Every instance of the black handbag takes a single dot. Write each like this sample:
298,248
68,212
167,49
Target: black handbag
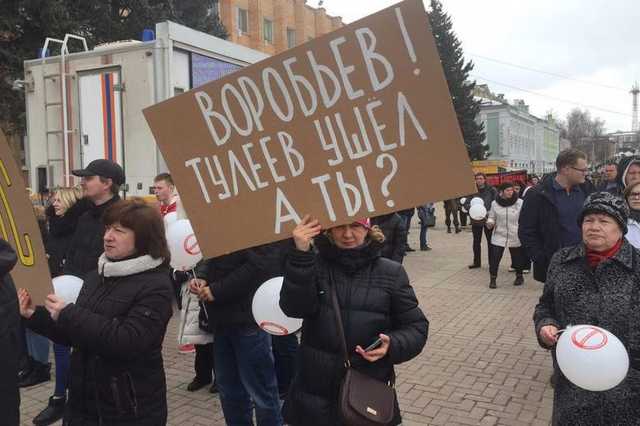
363,400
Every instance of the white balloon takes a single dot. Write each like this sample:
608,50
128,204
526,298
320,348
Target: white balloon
476,200
463,200
67,287
183,246
592,357
266,310
169,218
477,212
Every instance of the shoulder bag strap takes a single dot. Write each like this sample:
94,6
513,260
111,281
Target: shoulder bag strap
336,310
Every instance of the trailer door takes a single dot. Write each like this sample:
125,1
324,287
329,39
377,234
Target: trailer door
100,99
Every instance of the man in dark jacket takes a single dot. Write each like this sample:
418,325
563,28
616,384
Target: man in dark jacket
9,338
395,235
101,181
245,368
488,194
406,215
549,216
610,183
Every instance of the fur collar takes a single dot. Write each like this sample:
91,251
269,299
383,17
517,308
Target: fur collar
109,268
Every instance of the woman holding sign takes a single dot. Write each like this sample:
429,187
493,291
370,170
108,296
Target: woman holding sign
346,288
596,283
117,325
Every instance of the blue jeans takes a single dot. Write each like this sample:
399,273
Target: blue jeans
37,346
63,359
423,235
285,349
245,372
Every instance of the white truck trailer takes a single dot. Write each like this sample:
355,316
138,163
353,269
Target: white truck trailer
95,110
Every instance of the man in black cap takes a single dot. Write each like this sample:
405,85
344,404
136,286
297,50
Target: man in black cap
101,181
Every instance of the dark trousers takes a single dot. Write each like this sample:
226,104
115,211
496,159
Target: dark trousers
245,372
451,209
204,363
496,256
463,218
285,350
477,242
423,235
63,361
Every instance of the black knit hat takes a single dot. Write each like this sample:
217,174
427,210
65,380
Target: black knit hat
606,203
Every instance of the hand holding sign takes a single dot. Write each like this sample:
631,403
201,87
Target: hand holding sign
592,358
305,231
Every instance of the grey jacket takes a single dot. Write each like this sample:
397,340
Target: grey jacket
608,297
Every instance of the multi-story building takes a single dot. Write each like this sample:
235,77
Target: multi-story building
516,136
626,143
599,149
272,26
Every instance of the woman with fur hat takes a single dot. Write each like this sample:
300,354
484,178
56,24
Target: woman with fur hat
375,301
595,282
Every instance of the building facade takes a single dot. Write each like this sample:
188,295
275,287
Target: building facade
626,143
516,136
599,150
272,26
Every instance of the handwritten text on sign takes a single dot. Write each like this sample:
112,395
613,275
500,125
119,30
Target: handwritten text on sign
354,123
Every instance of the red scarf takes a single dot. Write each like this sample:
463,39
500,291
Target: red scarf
596,257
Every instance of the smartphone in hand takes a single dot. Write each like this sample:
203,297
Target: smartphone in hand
375,345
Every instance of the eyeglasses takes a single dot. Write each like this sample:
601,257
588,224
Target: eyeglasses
634,195
580,170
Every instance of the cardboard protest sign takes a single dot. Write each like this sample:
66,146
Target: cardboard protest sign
18,226
356,123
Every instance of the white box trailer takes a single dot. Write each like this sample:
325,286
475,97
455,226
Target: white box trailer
96,112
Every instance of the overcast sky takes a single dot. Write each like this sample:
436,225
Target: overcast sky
594,41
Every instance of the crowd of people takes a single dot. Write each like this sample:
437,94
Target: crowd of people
108,343
346,283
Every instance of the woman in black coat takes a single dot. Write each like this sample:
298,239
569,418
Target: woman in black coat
62,215
117,325
376,301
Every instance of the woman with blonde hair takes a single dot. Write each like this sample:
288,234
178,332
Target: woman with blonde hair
380,322
66,207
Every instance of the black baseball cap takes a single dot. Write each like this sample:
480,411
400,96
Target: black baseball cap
104,168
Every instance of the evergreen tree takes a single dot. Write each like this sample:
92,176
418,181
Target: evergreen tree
24,25
461,88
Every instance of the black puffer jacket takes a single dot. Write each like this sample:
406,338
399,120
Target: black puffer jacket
9,338
375,297
87,245
395,234
61,230
234,279
608,297
116,329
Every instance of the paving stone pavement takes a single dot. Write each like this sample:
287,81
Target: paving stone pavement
481,365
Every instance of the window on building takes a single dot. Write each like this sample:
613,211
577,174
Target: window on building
267,29
291,38
243,21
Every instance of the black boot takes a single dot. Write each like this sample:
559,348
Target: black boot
492,283
474,265
197,384
214,387
53,412
519,280
448,229
458,230
39,373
